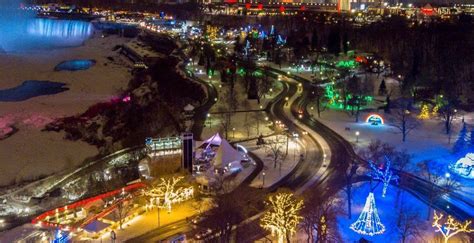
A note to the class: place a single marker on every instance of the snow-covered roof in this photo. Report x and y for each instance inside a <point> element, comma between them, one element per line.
<point>188,107</point>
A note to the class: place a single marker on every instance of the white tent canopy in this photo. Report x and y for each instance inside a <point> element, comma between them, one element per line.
<point>214,140</point>
<point>226,154</point>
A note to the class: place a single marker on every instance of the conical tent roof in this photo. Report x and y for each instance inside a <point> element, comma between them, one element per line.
<point>226,154</point>
<point>214,140</point>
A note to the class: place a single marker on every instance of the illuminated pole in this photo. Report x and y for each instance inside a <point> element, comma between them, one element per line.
<point>357,136</point>
<point>263,180</point>
<point>233,133</point>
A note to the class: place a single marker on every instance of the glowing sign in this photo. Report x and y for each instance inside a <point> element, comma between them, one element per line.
<point>374,119</point>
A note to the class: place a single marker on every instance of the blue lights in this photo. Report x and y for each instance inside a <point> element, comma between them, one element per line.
<point>61,237</point>
<point>50,28</point>
<point>464,166</point>
<point>22,32</point>
<point>75,65</point>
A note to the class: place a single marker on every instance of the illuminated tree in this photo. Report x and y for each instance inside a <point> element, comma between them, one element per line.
<point>383,174</point>
<point>282,216</point>
<point>450,227</point>
<point>425,112</point>
<point>167,193</point>
<point>368,222</point>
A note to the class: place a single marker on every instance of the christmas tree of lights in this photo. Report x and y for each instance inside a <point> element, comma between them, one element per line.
<point>368,222</point>
<point>383,174</point>
<point>425,112</point>
<point>450,227</point>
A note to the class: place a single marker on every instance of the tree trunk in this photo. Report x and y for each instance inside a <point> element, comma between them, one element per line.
<point>348,190</point>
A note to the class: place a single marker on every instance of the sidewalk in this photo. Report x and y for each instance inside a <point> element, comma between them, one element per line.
<point>274,174</point>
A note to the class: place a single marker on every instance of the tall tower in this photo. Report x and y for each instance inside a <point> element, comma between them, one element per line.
<point>187,151</point>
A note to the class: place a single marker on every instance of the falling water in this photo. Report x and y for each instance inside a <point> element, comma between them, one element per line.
<point>22,31</point>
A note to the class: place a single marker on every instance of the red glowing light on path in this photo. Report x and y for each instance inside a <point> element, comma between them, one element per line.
<point>282,9</point>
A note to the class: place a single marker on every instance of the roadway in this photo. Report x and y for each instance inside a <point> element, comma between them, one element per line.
<point>343,153</point>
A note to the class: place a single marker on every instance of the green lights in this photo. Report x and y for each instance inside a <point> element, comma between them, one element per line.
<point>351,64</point>
<point>336,100</point>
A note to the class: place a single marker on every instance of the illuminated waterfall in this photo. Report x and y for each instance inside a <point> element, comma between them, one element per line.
<point>22,31</point>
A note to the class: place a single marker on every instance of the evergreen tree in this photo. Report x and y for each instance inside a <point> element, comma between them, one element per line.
<point>461,144</point>
<point>382,88</point>
<point>424,113</point>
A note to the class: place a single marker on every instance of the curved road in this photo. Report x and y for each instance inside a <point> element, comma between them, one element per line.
<point>344,153</point>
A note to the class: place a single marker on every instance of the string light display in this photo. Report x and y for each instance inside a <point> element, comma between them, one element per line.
<point>425,112</point>
<point>167,193</point>
<point>368,222</point>
<point>383,174</point>
<point>283,215</point>
<point>450,227</point>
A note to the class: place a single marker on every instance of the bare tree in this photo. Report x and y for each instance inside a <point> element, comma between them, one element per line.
<point>228,210</point>
<point>317,95</point>
<point>257,116</point>
<point>434,191</point>
<point>349,175</point>
<point>274,146</point>
<point>225,122</point>
<point>400,162</point>
<point>404,121</point>
<point>319,216</point>
<point>377,150</point>
<point>448,112</point>
<point>123,208</point>
<point>410,225</point>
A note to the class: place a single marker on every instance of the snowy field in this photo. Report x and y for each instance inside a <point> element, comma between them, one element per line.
<point>428,142</point>
<point>30,153</point>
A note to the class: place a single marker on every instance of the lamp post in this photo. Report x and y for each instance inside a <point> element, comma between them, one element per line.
<point>263,179</point>
<point>233,133</point>
<point>295,139</point>
<point>209,118</point>
<point>357,136</point>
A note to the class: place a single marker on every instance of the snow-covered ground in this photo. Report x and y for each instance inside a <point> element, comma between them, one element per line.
<point>30,153</point>
<point>389,215</point>
<point>428,142</point>
<point>283,167</point>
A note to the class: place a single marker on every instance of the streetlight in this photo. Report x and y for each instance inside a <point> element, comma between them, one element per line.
<point>209,117</point>
<point>357,136</point>
<point>233,132</point>
<point>263,179</point>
